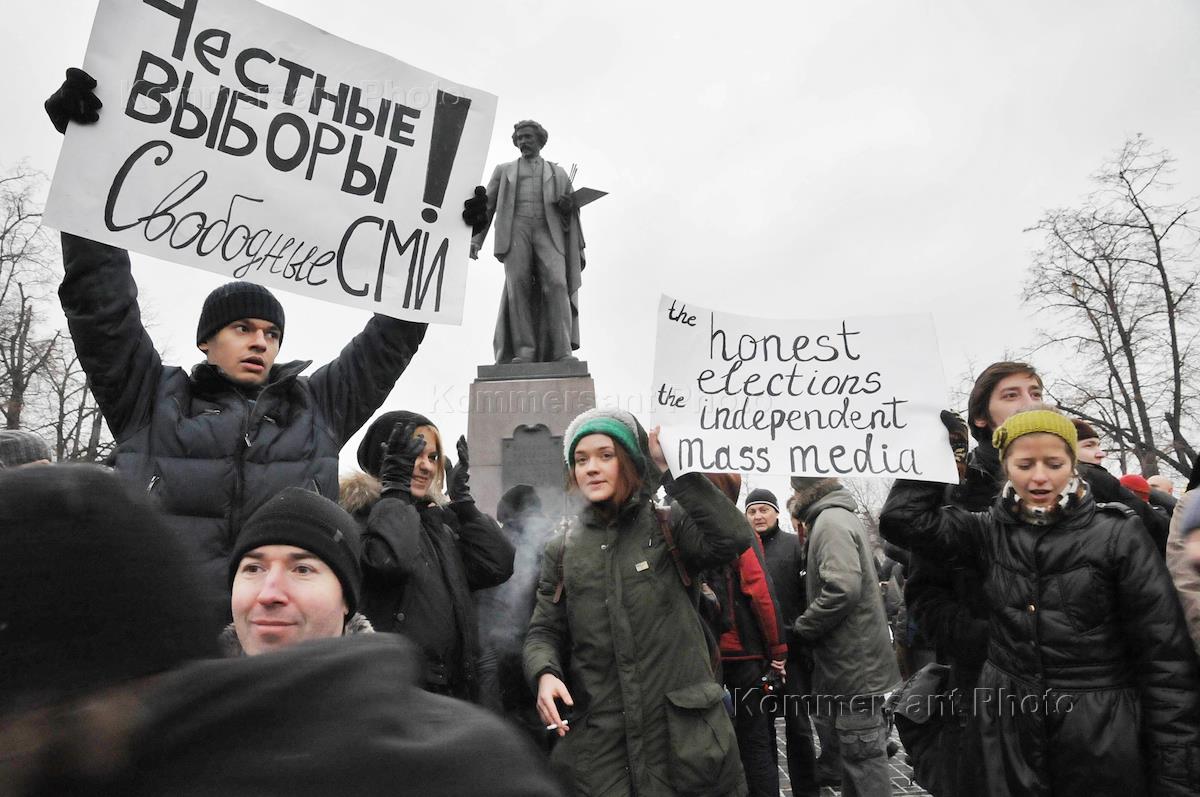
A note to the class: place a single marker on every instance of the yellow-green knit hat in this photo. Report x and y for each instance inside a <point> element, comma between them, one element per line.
<point>1032,421</point>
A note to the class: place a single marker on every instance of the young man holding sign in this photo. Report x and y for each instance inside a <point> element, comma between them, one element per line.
<point>215,444</point>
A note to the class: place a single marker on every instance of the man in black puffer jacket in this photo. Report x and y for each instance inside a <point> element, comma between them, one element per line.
<point>784,552</point>
<point>214,444</point>
<point>946,600</point>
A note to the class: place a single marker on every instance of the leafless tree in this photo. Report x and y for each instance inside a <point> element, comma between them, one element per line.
<point>70,418</point>
<point>1115,282</point>
<point>42,386</point>
<point>26,252</point>
<point>870,495</point>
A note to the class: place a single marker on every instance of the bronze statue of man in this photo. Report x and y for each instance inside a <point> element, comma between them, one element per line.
<point>539,241</point>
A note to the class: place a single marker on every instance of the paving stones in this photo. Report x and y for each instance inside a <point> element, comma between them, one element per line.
<point>900,771</point>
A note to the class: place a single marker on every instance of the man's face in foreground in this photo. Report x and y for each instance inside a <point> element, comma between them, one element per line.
<point>283,595</point>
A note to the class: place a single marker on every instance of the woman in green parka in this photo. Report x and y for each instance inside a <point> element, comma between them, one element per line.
<point>616,651</point>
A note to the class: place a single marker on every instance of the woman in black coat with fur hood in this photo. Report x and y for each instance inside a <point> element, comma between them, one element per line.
<point>423,553</point>
<point>1091,685</point>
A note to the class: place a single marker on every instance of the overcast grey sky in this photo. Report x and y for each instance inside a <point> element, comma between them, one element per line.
<point>785,160</point>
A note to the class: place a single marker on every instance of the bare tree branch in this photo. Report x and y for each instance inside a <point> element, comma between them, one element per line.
<point>1115,280</point>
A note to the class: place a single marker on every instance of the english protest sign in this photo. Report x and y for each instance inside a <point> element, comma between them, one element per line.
<point>854,397</point>
<point>243,141</point>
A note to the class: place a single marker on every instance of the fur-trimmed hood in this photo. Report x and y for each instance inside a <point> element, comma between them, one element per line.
<point>358,491</point>
<point>231,647</point>
<point>803,500</point>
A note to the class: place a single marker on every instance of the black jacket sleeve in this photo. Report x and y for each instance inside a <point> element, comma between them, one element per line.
<point>549,629</point>
<point>712,531</point>
<point>914,517</point>
<point>486,553</point>
<point>942,614</point>
<point>1107,488</point>
<point>1166,668</point>
<point>391,543</point>
<point>99,299</point>
<point>349,388</point>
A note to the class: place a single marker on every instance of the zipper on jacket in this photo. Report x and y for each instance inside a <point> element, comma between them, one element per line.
<point>1035,608</point>
<point>239,478</point>
<point>154,480</point>
<point>239,460</point>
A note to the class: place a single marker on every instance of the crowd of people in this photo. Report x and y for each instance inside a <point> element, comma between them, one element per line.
<point>214,612</point>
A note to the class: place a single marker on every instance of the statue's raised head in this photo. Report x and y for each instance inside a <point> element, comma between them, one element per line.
<point>538,131</point>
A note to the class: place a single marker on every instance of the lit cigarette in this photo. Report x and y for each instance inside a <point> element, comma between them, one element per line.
<point>555,727</point>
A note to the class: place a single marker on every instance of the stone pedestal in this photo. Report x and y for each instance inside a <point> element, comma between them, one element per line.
<point>515,424</point>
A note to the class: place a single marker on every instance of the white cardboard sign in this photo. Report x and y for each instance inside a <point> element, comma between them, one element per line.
<point>243,141</point>
<point>854,397</point>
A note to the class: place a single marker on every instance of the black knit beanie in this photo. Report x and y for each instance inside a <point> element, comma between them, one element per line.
<point>235,300</point>
<point>370,450</point>
<point>316,524</point>
<point>762,496</point>
<point>95,588</point>
<point>517,501</point>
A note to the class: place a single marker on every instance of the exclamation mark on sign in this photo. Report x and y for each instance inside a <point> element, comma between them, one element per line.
<point>449,119</point>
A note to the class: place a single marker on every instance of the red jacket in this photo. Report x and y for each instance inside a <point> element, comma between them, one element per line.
<point>757,631</point>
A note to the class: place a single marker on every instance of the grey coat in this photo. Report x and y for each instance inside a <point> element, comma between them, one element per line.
<point>844,623</point>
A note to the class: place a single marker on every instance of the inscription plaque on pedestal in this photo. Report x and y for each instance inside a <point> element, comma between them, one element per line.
<point>518,415</point>
<point>533,456</point>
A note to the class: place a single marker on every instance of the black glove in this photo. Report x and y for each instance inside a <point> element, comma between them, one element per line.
<point>959,437</point>
<point>75,101</point>
<point>400,454</point>
<point>457,475</point>
<point>475,210</point>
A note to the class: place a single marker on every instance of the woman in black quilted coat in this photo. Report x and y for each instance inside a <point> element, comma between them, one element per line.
<point>1090,685</point>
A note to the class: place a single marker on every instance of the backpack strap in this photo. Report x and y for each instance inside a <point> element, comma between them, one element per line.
<point>664,524</point>
<point>558,588</point>
<point>558,567</point>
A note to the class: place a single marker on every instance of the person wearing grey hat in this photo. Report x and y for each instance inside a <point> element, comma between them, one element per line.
<point>294,575</point>
<point>19,447</point>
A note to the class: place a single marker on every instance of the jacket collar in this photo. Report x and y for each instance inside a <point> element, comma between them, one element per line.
<point>592,515</point>
<point>769,533</point>
<point>1078,512</point>
<point>208,378</point>
<point>986,459</point>
<point>231,647</point>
